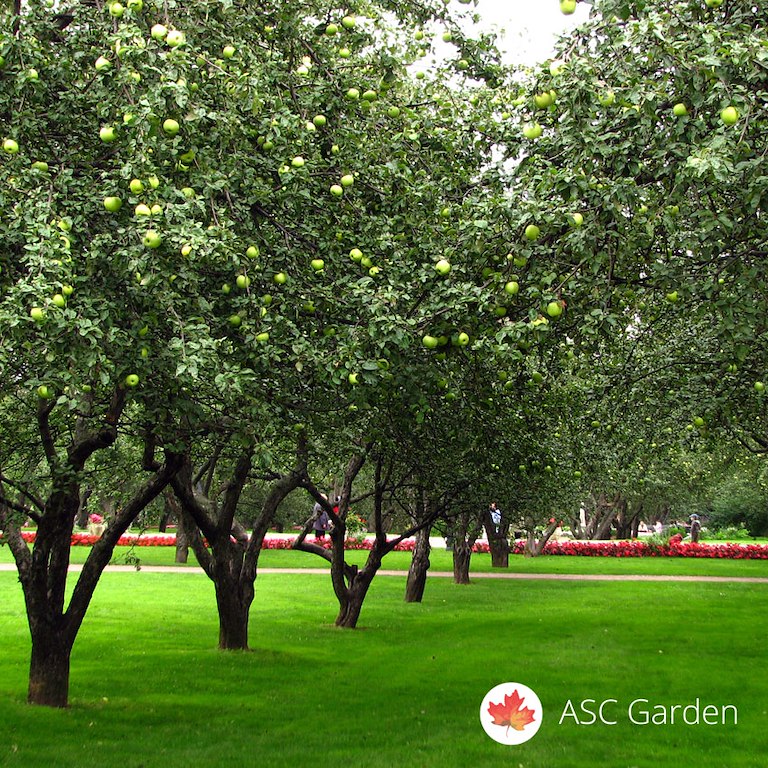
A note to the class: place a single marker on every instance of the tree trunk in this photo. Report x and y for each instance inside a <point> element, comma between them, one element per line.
<point>49,669</point>
<point>233,608</point>
<point>498,542</point>
<point>462,552</point>
<point>349,611</point>
<point>417,573</point>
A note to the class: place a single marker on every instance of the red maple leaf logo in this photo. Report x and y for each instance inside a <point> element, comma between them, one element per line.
<point>511,713</point>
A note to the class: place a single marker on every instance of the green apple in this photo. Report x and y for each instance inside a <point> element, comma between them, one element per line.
<point>108,134</point>
<point>759,386</point>
<point>113,204</point>
<point>430,342</point>
<point>158,32</point>
<point>443,267</point>
<point>11,146</point>
<point>154,182</point>
<point>532,130</point>
<point>337,190</point>
<point>462,65</point>
<point>280,278</point>
<point>40,165</point>
<point>175,38</point>
<point>44,392</point>
<point>607,98</point>
<point>370,95</point>
<point>512,287</point>
<point>59,301</point>
<point>576,219</point>
<point>298,162</point>
<point>234,320</point>
<point>152,239</point>
<point>698,421</point>
<point>320,121</point>
<point>136,186</point>
<point>347,180</point>
<point>131,380</point>
<point>317,264</point>
<point>137,6</point>
<point>352,378</point>
<point>672,297</point>
<point>33,75</point>
<point>543,100</point>
<point>142,210</point>
<point>344,53</point>
<point>37,314</point>
<point>447,37</point>
<point>186,249</point>
<point>332,29</point>
<point>729,115</point>
<point>262,337</point>
<point>188,192</point>
<point>532,232</point>
<point>555,308</point>
<point>102,64</point>
<point>680,110</point>
<point>171,127</point>
<point>356,255</point>
<point>67,290</point>
<point>243,281</point>
<point>462,339</point>
<point>226,288</point>
<point>567,7</point>
<point>116,10</point>
<point>228,51</point>
<point>713,3</point>
<point>353,94</point>
<point>252,251</point>
<point>393,112</point>
<point>348,22</point>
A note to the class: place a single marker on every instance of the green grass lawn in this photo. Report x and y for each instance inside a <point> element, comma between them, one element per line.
<point>149,689</point>
<point>441,561</point>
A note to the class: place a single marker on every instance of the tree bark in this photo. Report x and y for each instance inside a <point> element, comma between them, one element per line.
<point>417,573</point>
<point>349,611</point>
<point>498,541</point>
<point>233,601</point>
<point>462,553</point>
<point>49,668</point>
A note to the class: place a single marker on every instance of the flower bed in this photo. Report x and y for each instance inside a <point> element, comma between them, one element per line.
<point>635,548</point>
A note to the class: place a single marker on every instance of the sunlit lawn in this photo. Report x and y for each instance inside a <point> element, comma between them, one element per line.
<point>149,689</point>
<point>441,561</point>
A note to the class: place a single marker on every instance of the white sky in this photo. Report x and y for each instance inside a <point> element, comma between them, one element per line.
<point>531,26</point>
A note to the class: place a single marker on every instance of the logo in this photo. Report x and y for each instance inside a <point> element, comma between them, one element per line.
<point>511,713</point>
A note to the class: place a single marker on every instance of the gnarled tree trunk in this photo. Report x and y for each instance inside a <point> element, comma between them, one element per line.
<point>417,573</point>
<point>462,553</point>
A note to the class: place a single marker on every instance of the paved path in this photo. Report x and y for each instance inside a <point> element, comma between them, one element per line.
<point>439,574</point>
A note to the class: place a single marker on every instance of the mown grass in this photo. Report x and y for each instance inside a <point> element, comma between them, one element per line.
<point>481,563</point>
<point>150,690</point>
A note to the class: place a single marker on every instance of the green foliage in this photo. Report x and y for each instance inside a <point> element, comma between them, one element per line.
<point>740,501</point>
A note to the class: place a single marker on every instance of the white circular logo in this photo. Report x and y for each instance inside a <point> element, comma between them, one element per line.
<point>511,713</point>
